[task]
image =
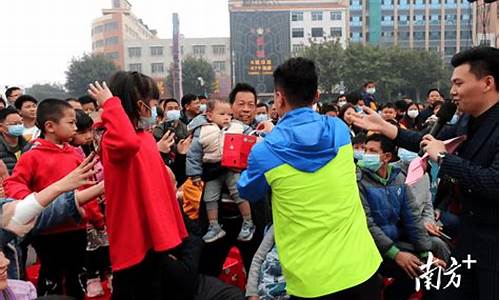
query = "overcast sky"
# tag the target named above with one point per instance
(38, 38)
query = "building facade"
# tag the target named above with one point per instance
(264, 33)
(153, 57)
(117, 24)
(445, 26)
(486, 29)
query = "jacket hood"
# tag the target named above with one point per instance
(44, 145)
(307, 140)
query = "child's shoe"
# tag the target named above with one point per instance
(214, 233)
(94, 288)
(247, 231)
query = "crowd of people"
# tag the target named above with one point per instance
(125, 188)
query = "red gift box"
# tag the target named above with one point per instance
(236, 150)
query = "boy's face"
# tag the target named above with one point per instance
(65, 129)
(221, 114)
(85, 137)
(88, 107)
(360, 146)
(389, 114)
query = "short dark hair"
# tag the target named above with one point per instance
(483, 61)
(22, 99)
(7, 111)
(354, 97)
(10, 90)
(83, 121)
(434, 90)
(171, 100)
(328, 107)
(187, 99)
(202, 97)
(50, 110)
(359, 138)
(388, 105)
(298, 79)
(86, 100)
(401, 105)
(241, 87)
(386, 143)
(3, 101)
(261, 104)
(368, 82)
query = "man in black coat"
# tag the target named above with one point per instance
(472, 170)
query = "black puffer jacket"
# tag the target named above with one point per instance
(6, 154)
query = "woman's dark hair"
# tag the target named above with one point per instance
(343, 110)
(131, 87)
(327, 108)
(83, 121)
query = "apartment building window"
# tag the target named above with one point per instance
(419, 3)
(111, 41)
(449, 50)
(435, 19)
(112, 55)
(418, 35)
(435, 35)
(336, 15)
(435, 3)
(336, 31)
(403, 20)
(98, 29)
(219, 49)
(156, 51)
(297, 48)
(317, 15)
(219, 66)
(199, 50)
(298, 32)
(297, 16)
(134, 52)
(111, 26)
(317, 32)
(387, 20)
(99, 43)
(403, 3)
(387, 4)
(450, 35)
(157, 68)
(135, 67)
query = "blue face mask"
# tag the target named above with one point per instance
(15, 130)
(371, 162)
(406, 156)
(173, 115)
(261, 118)
(203, 108)
(454, 120)
(358, 154)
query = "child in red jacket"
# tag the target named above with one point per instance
(61, 249)
(143, 216)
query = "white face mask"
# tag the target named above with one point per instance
(341, 103)
(371, 91)
(315, 107)
(412, 113)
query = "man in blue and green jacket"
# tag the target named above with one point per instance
(307, 163)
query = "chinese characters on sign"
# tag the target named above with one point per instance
(260, 67)
(429, 268)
